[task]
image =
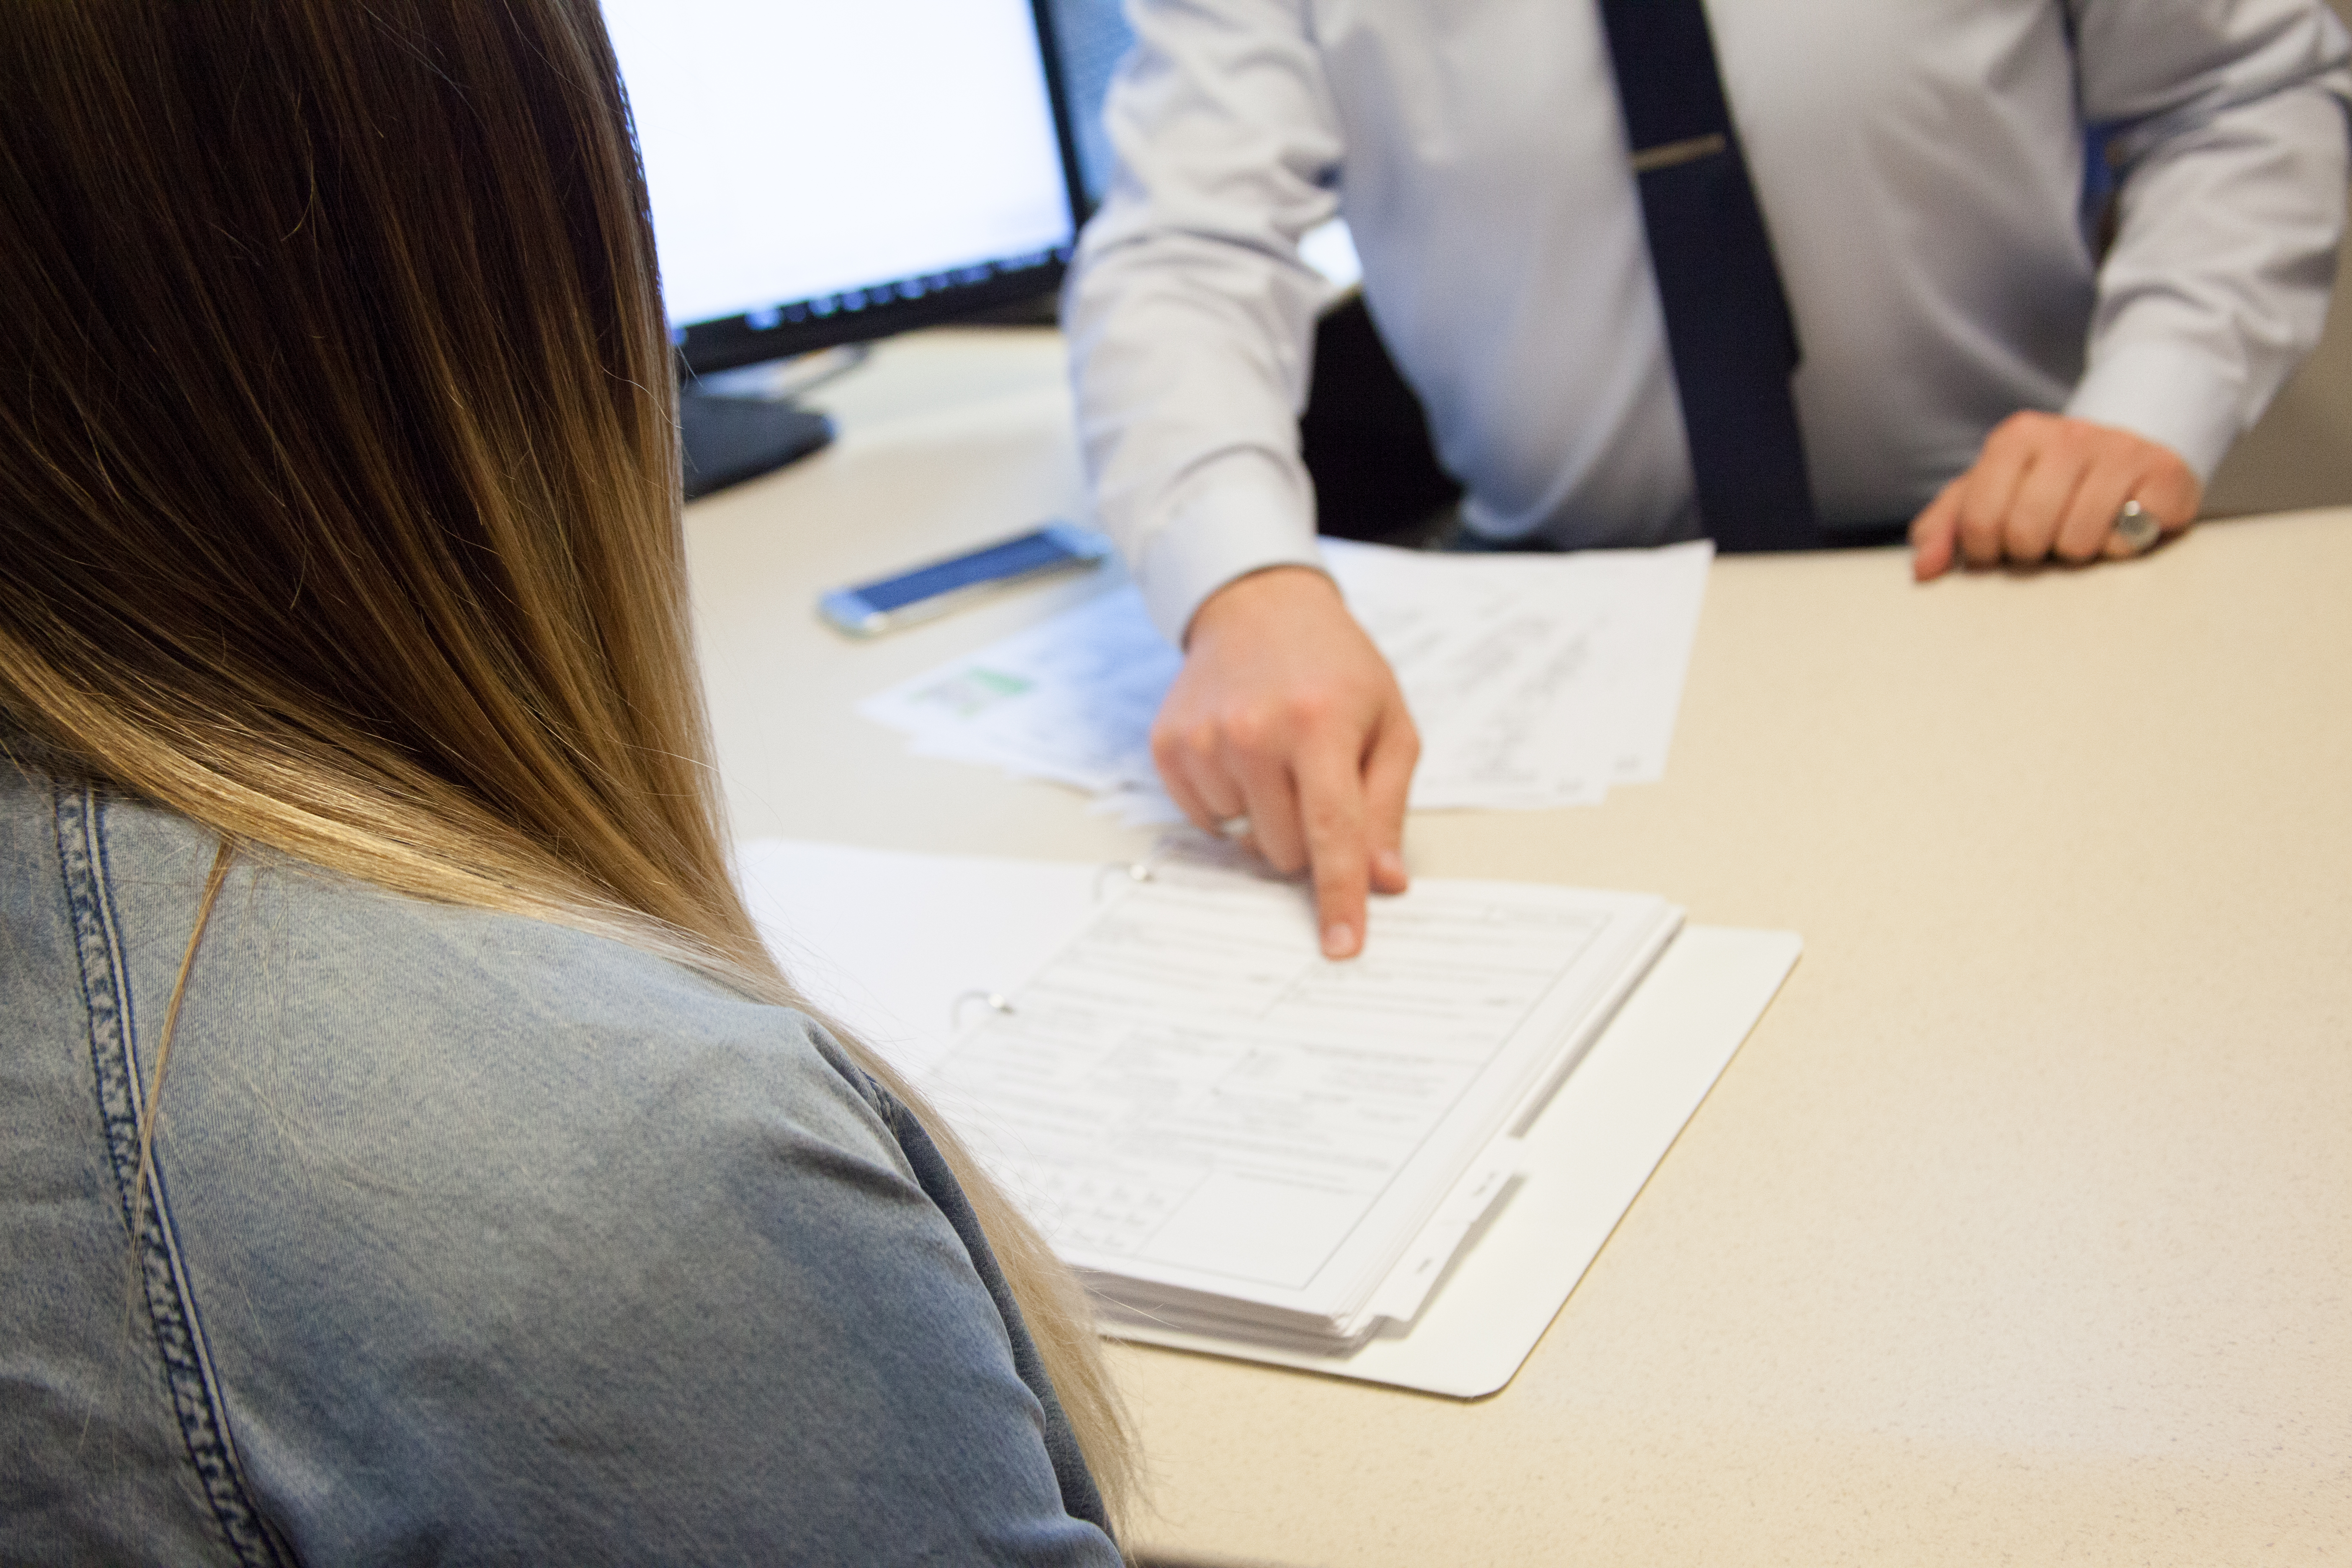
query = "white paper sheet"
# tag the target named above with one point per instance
(902, 948)
(888, 943)
(1537, 680)
(1194, 1104)
(1070, 699)
(1581, 1165)
(1189, 1094)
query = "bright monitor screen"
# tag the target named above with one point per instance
(828, 170)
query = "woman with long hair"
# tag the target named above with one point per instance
(411, 1153)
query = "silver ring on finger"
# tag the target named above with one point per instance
(2135, 528)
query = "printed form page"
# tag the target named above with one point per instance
(1189, 1097)
(1538, 680)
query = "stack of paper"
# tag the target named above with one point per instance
(1535, 680)
(1231, 1135)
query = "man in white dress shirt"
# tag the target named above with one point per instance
(1970, 361)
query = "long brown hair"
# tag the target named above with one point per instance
(339, 485)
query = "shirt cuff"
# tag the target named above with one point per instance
(1234, 520)
(2169, 394)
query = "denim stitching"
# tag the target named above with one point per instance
(179, 1340)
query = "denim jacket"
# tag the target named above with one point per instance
(472, 1239)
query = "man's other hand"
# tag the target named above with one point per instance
(1287, 713)
(2047, 485)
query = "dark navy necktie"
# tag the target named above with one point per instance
(1728, 323)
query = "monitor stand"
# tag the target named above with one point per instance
(730, 439)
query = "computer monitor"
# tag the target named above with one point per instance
(823, 171)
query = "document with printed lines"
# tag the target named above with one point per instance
(1228, 1133)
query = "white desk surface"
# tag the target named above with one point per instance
(2019, 1231)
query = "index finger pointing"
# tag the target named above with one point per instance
(1331, 812)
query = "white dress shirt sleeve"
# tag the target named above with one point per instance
(1190, 316)
(2229, 135)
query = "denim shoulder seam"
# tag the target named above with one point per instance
(188, 1373)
